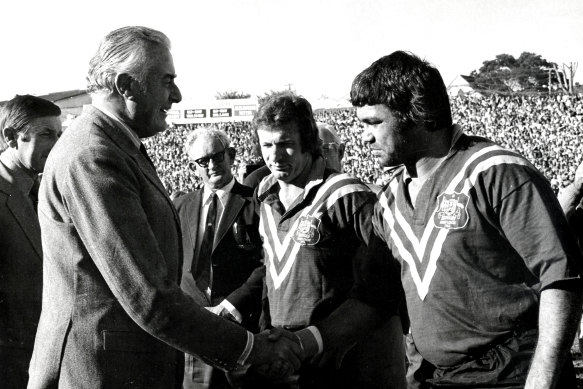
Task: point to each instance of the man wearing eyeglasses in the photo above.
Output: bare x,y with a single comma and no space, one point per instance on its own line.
221,240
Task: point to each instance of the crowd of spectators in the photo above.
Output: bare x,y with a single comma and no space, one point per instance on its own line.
547,130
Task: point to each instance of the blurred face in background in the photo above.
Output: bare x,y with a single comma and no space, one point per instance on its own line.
213,161
332,148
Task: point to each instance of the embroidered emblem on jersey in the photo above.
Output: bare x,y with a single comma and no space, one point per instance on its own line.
280,256
452,211
422,254
307,233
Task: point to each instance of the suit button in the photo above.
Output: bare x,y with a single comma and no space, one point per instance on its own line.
215,264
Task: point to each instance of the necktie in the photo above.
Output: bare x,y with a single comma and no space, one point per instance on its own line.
145,154
203,267
33,194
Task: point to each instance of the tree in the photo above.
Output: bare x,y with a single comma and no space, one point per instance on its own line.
529,72
230,94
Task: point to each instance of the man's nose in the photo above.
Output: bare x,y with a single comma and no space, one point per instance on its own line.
175,95
367,136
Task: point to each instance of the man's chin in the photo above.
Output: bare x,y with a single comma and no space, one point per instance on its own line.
279,175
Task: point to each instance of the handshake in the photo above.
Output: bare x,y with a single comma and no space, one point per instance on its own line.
276,353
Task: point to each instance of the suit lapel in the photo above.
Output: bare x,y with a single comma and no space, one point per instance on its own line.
22,211
231,209
193,210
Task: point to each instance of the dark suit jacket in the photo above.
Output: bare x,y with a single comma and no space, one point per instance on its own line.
20,282
113,313
237,250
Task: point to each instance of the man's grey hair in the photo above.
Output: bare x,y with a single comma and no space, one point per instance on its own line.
206,132
122,51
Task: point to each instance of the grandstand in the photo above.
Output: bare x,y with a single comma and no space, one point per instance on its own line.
547,130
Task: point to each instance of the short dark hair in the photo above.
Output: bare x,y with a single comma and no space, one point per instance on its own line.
410,87
281,108
19,111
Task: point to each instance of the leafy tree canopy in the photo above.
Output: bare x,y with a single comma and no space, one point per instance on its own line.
230,94
529,72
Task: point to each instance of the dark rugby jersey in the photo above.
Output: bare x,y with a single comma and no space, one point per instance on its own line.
486,235
312,256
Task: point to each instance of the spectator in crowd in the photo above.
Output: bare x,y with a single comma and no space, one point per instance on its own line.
322,261
220,239
483,244
30,127
113,314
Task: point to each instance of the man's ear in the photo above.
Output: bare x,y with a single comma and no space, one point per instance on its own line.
10,136
126,85
341,148
231,152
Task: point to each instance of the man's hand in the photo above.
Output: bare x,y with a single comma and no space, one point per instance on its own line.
276,353
220,310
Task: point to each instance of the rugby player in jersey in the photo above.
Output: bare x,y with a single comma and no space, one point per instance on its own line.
326,276
490,270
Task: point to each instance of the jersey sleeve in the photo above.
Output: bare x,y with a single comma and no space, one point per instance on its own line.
534,224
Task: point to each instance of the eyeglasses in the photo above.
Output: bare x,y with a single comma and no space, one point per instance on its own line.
216,157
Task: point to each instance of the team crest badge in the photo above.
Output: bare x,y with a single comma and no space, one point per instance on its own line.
307,233
452,211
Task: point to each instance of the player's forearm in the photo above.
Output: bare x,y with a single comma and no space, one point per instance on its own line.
349,323
559,315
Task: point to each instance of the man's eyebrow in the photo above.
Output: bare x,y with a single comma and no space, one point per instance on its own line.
170,76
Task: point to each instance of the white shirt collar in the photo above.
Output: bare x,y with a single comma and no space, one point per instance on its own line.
125,128
221,193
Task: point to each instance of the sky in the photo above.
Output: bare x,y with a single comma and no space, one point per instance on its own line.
316,47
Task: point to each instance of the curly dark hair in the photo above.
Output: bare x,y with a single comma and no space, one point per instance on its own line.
410,87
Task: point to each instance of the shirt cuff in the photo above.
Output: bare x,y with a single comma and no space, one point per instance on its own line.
247,351
232,310
311,341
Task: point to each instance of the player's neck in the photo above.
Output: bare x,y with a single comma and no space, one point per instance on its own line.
290,191
436,150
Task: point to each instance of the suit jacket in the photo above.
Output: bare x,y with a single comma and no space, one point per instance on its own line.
20,282
237,248
113,313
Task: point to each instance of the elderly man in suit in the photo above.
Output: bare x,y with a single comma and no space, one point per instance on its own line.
113,314
220,240
30,127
